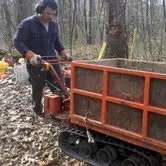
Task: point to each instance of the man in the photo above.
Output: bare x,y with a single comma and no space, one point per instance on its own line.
37,37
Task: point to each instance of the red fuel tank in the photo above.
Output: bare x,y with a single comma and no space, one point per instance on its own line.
52,104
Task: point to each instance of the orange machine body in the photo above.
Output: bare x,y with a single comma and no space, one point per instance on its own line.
52,104
122,99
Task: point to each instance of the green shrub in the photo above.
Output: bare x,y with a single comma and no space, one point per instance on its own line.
1,57
16,56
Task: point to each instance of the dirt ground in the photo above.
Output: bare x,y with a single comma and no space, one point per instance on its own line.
26,139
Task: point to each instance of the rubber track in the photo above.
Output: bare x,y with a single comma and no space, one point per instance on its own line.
79,131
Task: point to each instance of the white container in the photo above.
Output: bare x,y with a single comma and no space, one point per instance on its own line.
21,74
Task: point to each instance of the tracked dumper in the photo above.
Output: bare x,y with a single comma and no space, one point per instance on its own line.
117,113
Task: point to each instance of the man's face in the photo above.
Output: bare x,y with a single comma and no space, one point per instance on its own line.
48,14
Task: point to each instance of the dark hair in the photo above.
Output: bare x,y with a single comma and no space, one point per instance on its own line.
46,3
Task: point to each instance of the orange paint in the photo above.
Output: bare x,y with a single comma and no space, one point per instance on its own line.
141,139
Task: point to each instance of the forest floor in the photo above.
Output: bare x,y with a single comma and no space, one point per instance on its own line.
26,139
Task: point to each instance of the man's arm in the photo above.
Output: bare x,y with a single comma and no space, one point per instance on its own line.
21,38
57,44
60,49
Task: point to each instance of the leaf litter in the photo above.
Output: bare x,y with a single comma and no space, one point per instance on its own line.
26,139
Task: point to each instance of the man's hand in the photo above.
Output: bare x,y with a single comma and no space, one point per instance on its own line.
66,57
35,60
46,66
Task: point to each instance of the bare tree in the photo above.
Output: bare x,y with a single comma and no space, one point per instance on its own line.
90,22
8,26
116,38
23,9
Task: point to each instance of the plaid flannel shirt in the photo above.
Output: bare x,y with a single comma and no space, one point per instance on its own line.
32,35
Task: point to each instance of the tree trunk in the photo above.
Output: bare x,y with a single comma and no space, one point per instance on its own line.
164,10
116,30
73,25
91,18
85,20
8,25
23,9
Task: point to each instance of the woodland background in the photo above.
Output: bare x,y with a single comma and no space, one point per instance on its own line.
84,25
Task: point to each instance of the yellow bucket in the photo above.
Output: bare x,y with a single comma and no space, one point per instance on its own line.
3,67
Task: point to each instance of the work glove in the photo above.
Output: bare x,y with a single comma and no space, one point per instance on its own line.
35,60
46,66
66,57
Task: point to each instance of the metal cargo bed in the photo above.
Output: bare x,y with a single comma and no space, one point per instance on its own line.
125,99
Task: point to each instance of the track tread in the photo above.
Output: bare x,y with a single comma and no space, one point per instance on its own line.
80,131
